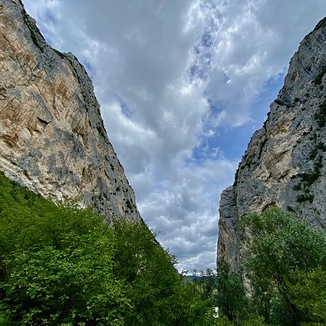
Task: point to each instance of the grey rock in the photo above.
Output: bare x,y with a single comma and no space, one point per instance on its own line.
285,162
52,137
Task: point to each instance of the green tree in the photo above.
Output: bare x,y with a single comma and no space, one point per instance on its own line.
60,265
158,293
284,255
206,284
308,292
56,264
231,296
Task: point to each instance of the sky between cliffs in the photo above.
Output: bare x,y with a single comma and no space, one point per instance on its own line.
182,84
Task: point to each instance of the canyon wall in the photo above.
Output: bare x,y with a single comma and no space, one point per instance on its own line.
285,162
52,137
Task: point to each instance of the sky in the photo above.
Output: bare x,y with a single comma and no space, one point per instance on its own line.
182,85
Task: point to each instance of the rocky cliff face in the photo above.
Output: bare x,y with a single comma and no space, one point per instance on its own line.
52,137
285,163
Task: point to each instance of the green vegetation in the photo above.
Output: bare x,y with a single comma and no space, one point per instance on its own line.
60,54
320,115
129,204
56,264
34,31
231,297
60,265
101,130
285,265
319,147
320,76
280,102
307,179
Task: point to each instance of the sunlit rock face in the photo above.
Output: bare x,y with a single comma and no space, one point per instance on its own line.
285,163
52,137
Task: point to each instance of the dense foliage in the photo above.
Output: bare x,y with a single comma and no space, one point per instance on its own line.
60,265
285,265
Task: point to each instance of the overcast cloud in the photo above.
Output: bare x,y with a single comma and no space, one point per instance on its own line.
182,86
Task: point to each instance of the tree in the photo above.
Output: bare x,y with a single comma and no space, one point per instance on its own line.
158,293
231,297
56,264
206,283
60,265
284,255
308,292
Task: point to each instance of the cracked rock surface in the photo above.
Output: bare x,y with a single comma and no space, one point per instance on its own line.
285,162
52,137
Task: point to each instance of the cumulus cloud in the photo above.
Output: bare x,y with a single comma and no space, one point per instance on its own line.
174,79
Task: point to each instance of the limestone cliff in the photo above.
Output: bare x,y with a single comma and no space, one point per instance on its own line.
285,163
52,137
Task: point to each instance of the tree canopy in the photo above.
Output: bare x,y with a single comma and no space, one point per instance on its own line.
61,265
284,267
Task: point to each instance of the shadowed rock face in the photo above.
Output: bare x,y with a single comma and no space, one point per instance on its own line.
285,163
52,137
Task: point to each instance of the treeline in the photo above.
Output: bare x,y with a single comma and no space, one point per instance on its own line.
60,265
282,278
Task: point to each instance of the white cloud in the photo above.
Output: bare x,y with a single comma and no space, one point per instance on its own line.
171,76
184,210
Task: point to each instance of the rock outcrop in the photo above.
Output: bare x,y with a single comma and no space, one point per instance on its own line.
285,163
52,137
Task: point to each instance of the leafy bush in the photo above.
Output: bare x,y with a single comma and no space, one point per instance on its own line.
319,77
157,292
320,115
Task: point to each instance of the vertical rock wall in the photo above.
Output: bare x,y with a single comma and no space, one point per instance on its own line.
285,163
52,137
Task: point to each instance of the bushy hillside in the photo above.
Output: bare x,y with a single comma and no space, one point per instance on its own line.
60,265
